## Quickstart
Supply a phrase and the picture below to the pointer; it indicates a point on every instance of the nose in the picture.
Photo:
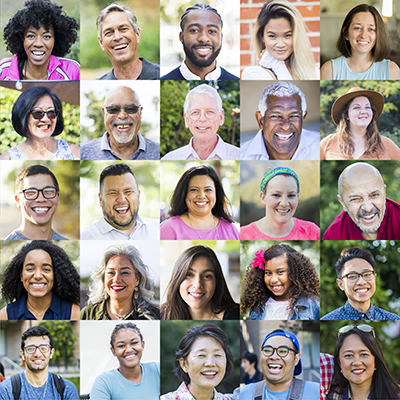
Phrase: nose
(202, 116)
(41, 197)
(117, 276)
(117, 34)
(274, 278)
(203, 37)
(121, 197)
(37, 273)
(38, 42)
(209, 361)
(284, 201)
(197, 281)
(37, 350)
(367, 205)
(281, 42)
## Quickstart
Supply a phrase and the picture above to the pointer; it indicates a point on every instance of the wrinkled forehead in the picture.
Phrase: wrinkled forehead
(284, 103)
(360, 181)
(200, 100)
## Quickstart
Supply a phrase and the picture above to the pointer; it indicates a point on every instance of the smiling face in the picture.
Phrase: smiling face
(119, 40)
(362, 33)
(119, 200)
(356, 362)
(360, 113)
(37, 274)
(360, 291)
(128, 348)
(37, 361)
(279, 371)
(278, 38)
(42, 128)
(204, 129)
(198, 287)
(281, 125)
(201, 195)
(205, 364)
(37, 212)
(276, 278)
(38, 44)
(280, 199)
(201, 38)
(122, 127)
(120, 279)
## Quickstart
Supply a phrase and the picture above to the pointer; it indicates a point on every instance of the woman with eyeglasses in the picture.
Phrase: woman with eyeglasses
(359, 367)
(37, 115)
(40, 283)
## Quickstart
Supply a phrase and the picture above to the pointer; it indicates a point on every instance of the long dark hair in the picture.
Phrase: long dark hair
(383, 387)
(174, 306)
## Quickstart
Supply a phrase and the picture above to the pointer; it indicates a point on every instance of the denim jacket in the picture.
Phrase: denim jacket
(305, 309)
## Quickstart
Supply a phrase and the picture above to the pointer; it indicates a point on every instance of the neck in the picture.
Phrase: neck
(206, 222)
(120, 308)
(360, 392)
(35, 72)
(252, 371)
(200, 71)
(273, 155)
(128, 71)
(359, 62)
(36, 378)
(36, 232)
(133, 374)
(200, 393)
(124, 150)
(370, 236)
(362, 307)
(39, 149)
(204, 148)
(202, 314)
(278, 387)
(271, 228)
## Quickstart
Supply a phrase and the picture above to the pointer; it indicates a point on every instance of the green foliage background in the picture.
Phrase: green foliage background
(174, 134)
(171, 334)
(388, 122)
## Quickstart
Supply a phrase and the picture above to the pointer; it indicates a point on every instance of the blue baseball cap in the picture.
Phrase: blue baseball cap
(292, 337)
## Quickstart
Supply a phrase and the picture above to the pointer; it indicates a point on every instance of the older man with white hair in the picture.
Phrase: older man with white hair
(282, 110)
(203, 115)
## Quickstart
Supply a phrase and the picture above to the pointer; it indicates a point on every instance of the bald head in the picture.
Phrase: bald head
(121, 91)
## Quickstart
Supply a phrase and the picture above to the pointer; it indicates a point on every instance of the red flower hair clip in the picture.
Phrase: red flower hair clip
(259, 260)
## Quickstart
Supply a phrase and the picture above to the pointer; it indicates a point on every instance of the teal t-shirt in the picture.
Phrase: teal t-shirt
(112, 385)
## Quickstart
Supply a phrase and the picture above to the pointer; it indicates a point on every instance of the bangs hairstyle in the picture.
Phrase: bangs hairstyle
(186, 343)
(26, 101)
(98, 291)
(32, 170)
(383, 385)
(125, 325)
(301, 61)
(381, 50)
(301, 272)
(175, 307)
(66, 277)
(372, 137)
(178, 199)
(41, 13)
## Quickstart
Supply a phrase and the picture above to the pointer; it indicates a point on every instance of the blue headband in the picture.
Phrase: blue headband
(278, 171)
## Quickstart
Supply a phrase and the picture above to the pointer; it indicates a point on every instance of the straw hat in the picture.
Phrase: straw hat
(376, 99)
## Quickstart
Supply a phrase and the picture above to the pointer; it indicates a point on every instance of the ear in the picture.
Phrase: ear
(100, 43)
(262, 197)
(181, 37)
(183, 364)
(260, 120)
(186, 120)
(340, 284)
(22, 354)
(222, 118)
(143, 343)
(99, 199)
(51, 353)
(305, 115)
(16, 198)
(104, 110)
(139, 196)
(58, 196)
(138, 35)
(297, 358)
(341, 202)
(113, 352)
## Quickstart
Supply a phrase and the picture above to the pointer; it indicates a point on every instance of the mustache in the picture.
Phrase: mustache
(364, 213)
(123, 121)
(202, 46)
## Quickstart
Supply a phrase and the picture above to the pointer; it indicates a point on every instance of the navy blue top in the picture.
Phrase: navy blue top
(59, 309)
(175, 75)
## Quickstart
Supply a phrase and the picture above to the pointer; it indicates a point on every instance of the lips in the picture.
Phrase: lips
(361, 290)
(41, 210)
(284, 138)
(274, 368)
(122, 210)
(118, 288)
(357, 371)
(197, 295)
(203, 50)
(201, 203)
(37, 285)
(283, 212)
(276, 288)
(120, 47)
(130, 356)
(209, 374)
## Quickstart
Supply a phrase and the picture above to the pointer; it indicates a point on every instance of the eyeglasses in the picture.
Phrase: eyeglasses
(282, 351)
(209, 114)
(43, 348)
(49, 192)
(39, 114)
(129, 109)
(363, 327)
(354, 276)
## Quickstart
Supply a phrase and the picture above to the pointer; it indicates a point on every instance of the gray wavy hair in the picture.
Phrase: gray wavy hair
(98, 292)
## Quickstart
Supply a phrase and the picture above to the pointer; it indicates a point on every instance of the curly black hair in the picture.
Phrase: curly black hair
(66, 277)
(302, 274)
(41, 13)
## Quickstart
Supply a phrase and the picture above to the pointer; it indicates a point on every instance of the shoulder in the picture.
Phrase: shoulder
(227, 75)
(152, 367)
(394, 71)
(108, 76)
(70, 391)
(150, 71)
(5, 156)
(309, 228)
(247, 391)
(256, 72)
(75, 150)
(381, 314)
(151, 144)
(326, 71)
(177, 154)
(91, 149)
(333, 315)
(311, 391)
(57, 236)
(89, 311)
(3, 314)
(173, 75)
(9, 68)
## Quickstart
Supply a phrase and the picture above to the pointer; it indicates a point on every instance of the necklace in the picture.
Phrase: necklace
(198, 234)
(44, 393)
(37, 312)
(117, 316)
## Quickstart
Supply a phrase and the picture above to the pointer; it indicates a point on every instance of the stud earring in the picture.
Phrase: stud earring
(136, 294)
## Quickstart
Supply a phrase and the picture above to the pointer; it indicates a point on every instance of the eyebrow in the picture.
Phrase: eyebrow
(197, 187)
(32, 263)
(289, 31)
(122, 268)
(206, 270)
(198, 24)
(351, 196)
(129, 340)
(34, 31)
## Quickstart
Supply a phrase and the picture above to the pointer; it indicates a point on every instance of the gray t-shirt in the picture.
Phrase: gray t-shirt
(15, 235)
(149, 72)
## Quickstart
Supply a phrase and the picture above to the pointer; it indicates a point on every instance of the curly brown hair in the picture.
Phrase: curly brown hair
(302, 274)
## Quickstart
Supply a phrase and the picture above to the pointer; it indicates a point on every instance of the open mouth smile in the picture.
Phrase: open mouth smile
(121, 210)
(41, 210)
(284, 138)
(276, 288)
(357, 371)
(120, 47)
(274, 368)
(197, 296)
(209, 374)
(203, 50)
(118, 288)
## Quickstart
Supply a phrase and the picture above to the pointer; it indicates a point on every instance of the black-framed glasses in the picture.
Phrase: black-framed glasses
(49, 192)
(210, 114)
(129, 109)
(43, 348)
(354, 276)
(282, 351)
(363, 327)
(39, 114)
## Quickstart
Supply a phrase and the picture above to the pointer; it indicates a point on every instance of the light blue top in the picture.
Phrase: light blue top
(377, 71)
(15, 235)
(63, 152)
(112, 385)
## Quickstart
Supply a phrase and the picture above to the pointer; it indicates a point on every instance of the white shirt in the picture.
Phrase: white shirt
(190, 76)
(308, 148)
(222, 151)
(145, 229)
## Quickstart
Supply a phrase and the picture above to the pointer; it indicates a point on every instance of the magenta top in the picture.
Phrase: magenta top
(175, 229)
(302, 230)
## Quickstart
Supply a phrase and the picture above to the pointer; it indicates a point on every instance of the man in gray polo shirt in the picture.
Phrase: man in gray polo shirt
(122, 141)
(119, 199)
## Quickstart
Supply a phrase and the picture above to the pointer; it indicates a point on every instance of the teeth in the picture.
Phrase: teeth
(276, 288)
(121, 46)
(357, 371)
(197, 295)
(275, 366)
(38, 53)
(123, 126)
(41, 209)
(284, 137)
(362, 42)
(361, 290)
(117, 287)
(204, 50)
(121, 208)
(202, 129)
(200, 203)
(38, 285)
(131, 356)
(209, 373)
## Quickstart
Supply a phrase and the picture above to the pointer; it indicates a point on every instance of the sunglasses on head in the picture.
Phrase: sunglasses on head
(363, 327)
(39, 114)
(129, 109)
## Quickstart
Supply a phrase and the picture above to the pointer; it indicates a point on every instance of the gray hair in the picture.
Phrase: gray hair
(203, 89)
(145, 294)
(119, 7)
(281, 89)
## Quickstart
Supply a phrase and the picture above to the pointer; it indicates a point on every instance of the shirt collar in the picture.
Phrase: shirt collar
(105, 227)
(348, 308)
(54, 308)
(257, 147)
(219, 149)
(105, 145)
(190, 76)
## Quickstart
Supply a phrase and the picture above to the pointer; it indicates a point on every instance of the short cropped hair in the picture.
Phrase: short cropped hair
(118, 8)
(203, 89)
(116, 170)
(250, 357)
(32, 170)
(33, 332)
(125, 325)
(349, 254)
(196, 7)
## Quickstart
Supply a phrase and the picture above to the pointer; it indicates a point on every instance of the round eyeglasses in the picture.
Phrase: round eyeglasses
(43, 348)
(49, 192)
(210, 114)
(39, 114)
(363, 327)
(282, 351)
(354, 276)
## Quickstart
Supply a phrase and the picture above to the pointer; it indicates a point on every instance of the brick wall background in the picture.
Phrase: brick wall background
(249, 9)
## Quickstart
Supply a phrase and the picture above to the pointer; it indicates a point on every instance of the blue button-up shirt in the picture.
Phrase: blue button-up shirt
(347, 312)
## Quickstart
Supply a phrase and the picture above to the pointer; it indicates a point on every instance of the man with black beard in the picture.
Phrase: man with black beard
(119, 200)
(122, 141)
(201, 36)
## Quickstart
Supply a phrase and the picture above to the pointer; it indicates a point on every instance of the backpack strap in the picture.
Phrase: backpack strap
(16, 386)
(296, 389)
(60, 385)
(259, 390)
